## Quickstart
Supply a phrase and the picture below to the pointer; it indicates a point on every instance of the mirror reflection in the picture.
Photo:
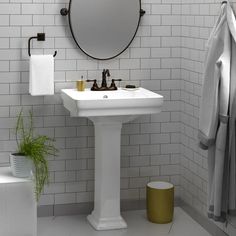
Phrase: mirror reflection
(103, 29)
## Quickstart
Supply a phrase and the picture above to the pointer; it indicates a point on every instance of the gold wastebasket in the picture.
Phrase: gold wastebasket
(160, 202)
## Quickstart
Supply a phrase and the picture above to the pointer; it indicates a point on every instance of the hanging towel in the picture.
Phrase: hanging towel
(216, 127)
(41, 75)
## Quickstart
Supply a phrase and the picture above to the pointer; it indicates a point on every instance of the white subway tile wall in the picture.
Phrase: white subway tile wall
(198, 18)
(150, 145)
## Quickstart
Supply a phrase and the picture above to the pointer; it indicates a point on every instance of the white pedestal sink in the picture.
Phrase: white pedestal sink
(108, 110)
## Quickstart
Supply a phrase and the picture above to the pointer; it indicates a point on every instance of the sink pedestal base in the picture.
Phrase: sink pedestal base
(106, 213)
(106, 223)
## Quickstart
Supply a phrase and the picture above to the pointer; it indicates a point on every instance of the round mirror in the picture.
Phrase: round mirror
(103, 29)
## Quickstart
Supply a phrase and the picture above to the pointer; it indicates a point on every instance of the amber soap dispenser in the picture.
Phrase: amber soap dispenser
(80, 84)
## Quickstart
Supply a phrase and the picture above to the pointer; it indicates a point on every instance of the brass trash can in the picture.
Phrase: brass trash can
(160, 202)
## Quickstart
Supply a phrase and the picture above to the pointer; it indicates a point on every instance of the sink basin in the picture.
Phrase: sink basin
(108, 110)
(111, 103)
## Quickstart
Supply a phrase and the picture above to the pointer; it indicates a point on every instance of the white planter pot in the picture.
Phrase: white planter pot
(21, 166)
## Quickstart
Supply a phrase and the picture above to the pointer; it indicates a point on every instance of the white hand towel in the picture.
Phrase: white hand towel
(41, 75)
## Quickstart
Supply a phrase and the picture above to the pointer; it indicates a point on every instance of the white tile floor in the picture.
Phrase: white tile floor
(183, 225)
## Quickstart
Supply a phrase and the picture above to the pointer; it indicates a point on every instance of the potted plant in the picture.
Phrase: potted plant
(30, 158)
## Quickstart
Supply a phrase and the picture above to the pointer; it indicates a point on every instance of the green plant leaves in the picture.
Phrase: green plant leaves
(37, 148)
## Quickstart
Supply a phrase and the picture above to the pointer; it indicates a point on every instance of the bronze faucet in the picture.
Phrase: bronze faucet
(105, 74)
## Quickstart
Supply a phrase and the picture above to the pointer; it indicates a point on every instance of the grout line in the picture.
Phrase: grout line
(171, 227)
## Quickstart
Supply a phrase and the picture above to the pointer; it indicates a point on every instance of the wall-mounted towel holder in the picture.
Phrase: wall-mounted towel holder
(39, 37)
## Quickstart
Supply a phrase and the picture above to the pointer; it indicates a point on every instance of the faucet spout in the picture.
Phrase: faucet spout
(105, 73)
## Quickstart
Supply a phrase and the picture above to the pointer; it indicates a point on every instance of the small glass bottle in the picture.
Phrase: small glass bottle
(80, 84)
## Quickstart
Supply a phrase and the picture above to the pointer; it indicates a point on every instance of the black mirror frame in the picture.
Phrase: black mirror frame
(65, 11)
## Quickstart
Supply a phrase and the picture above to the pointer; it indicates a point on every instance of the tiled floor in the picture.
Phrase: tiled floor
(183, 225)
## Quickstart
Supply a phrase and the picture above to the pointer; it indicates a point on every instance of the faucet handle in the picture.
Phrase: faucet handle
(113, 85)
(95, 85)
